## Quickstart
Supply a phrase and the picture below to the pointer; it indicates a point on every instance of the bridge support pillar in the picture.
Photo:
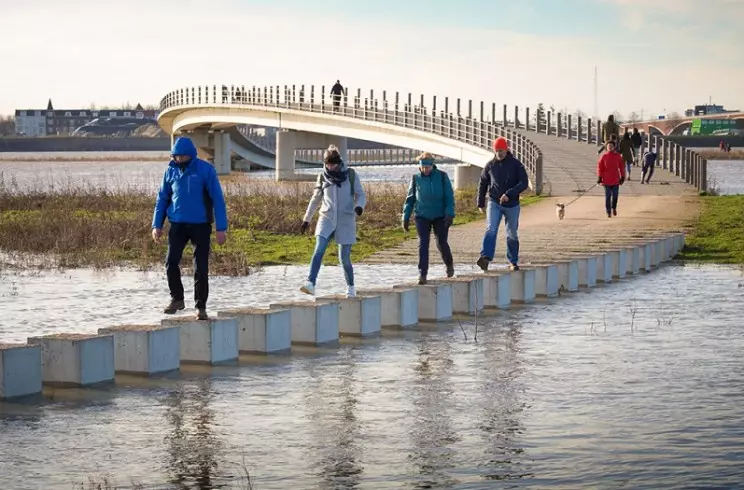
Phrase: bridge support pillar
(285, 155)
(467, 176)
(222, 162)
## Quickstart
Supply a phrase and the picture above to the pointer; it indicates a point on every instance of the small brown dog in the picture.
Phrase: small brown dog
(560, 210)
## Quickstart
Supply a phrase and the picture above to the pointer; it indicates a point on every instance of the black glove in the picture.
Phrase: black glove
(406, 226)
(358, 210)
(303, 226)
(622, 180)
(599, 180)
(448, 221)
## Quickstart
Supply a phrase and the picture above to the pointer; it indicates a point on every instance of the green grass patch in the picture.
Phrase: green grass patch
(719, 234)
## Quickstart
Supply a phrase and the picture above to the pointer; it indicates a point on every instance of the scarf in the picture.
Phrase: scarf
(337, 177)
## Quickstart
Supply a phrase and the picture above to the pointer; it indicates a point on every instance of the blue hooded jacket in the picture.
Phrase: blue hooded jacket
(192, 194)
(507, 176)
(430, 196)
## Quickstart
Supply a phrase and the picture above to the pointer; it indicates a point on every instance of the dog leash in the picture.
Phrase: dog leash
(581, 195)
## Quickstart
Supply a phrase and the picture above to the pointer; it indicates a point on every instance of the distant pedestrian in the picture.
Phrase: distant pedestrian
(637, 141)
(611, 174)
(504, 178)
(337, 91)
(609, 128)
(341, 198)
(627, 152)
(191, 198)
(649, 162)
(432, 199)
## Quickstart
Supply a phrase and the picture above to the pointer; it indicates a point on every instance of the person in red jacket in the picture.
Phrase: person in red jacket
(611, 174)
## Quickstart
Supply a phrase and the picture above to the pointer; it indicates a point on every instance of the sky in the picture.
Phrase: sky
(652, 56)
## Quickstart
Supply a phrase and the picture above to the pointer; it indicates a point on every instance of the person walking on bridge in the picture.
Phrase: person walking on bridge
(341, 198)
(431, 197)
(608, 129)
(504, 178)
(190, 196)
(649, 163)
(611, 175)
(336, 92)
(627, 152)
(637, 141)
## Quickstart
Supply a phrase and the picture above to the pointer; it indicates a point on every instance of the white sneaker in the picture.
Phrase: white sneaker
(308, 288)
(350, 292)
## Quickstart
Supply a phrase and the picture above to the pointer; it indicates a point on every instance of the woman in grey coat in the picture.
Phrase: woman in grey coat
(341, 198)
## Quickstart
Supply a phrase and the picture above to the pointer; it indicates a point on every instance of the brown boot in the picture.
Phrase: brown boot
(201, 314)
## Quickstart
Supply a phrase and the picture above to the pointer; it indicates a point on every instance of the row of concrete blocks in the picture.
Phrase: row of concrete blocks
(82, 359)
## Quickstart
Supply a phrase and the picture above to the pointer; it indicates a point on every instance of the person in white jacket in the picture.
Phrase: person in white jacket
(341, 197)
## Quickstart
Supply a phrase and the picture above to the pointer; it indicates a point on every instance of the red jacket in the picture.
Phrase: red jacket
(611, 168)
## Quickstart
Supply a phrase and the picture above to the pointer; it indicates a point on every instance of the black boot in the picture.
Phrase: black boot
(174, 306)
(422, 279)
(450, 270)
(482, 262)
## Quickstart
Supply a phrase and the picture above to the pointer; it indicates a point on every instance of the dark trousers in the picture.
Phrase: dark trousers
(441, 232)
(178, 236)
(648, 171)
(611, 195)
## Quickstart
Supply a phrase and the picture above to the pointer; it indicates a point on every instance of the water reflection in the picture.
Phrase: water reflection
(432, 433)
(503, 404)
(191, 445)
(331, 401)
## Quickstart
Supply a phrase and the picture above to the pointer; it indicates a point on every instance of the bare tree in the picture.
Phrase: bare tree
(7, 125)
(634, 118)
(618, 117)
(674, 115)
(578, 113)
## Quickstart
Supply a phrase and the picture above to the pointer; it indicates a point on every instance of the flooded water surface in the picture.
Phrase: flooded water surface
(637, 384)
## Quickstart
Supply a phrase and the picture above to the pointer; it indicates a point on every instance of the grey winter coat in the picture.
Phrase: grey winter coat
(336, 208)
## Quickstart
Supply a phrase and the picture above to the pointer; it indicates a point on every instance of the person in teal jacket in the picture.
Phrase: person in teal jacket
(431, 198)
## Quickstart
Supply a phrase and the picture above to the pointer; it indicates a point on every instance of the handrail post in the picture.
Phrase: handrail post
(527, 118)
(506, 120)
(516, 117)
(547, 126)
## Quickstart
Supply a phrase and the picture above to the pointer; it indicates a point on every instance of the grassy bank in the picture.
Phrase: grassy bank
(85, 226)
(722, 155)
(719, 234)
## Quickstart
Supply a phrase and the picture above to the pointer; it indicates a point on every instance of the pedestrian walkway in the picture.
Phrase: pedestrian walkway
(666, 205)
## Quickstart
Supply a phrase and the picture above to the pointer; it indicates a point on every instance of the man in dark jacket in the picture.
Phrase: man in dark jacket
(649, 162)
(504, 178)
(637, 141)
(191, 198)
(336, 92)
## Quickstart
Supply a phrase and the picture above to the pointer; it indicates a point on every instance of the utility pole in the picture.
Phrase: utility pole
(596, 98)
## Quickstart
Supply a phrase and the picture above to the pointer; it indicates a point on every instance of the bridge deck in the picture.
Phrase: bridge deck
(543, 237)
(569, 166)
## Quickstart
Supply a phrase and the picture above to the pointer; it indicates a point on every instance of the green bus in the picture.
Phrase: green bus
(708, 126)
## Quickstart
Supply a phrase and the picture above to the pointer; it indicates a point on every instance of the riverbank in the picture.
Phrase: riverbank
(87, 226)
(722, 155)
(718, 236)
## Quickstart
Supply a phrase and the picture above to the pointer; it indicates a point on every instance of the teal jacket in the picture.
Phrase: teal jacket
(430, 196)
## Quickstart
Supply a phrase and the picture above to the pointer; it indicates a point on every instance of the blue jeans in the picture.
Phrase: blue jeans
(628, 166)
(494, 213)
(344, 257)
(611, 195)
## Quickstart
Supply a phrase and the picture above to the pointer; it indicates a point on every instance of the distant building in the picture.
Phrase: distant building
(707, 109)
(47, 122)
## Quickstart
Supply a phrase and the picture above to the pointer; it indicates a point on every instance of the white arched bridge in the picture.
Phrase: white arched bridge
(304, 122)
(450, 128)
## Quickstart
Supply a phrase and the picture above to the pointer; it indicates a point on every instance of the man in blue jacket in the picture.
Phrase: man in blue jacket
(504, 178)
(191, 198)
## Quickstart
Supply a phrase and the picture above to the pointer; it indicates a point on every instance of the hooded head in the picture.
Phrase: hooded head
(183, 150)
(611, 118)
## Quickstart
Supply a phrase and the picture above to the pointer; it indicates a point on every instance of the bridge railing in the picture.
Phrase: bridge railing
(356, 156)
(476, 130)
(687, 164)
